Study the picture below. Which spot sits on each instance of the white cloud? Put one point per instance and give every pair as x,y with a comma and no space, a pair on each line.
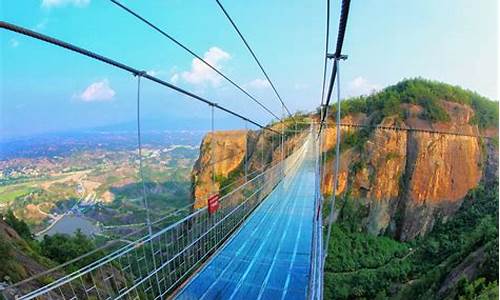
258,84
200,73
58,3
42,24
154,73
300,86
361,86
14,43
174,79
97,91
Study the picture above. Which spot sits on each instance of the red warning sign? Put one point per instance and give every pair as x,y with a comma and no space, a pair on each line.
213,203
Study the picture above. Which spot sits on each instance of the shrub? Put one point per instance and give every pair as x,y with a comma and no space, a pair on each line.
425,93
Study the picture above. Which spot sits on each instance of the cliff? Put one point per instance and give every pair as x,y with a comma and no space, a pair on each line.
220,154
404,181
221,163
409,156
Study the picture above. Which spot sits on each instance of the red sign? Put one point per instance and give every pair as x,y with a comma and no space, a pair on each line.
213,203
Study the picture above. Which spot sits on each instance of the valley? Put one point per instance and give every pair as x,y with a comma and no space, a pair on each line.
94,188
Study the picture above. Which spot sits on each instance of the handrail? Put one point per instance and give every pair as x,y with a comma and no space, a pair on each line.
142,241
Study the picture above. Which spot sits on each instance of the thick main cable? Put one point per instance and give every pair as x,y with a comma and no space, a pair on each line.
71,47
344,14
254,57
184,47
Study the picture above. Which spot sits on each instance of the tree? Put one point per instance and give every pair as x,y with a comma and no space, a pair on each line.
18,225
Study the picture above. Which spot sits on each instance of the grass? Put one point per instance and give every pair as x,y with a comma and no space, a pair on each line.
11,193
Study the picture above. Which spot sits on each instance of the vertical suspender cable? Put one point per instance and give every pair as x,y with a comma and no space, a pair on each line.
141,174
246,150
272,149
262,150
282,140
337,159
320,148
139,142
212,144
326,51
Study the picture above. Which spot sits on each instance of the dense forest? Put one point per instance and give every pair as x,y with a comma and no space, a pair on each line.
47,252
425,93
361,265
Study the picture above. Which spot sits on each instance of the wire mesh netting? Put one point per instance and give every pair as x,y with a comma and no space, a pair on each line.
154,265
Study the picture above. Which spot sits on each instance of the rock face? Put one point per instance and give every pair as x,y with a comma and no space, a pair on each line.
403,181
441,170
223,154
407,180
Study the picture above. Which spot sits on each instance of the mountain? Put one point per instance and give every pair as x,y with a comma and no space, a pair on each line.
221,162
405,180
417,206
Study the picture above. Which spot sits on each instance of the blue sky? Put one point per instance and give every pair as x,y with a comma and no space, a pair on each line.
48,89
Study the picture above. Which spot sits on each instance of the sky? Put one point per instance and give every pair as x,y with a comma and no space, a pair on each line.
46,89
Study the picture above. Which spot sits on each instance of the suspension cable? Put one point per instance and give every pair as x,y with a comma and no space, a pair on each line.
254,57
344,14
337,161
327,35
119,65
175,41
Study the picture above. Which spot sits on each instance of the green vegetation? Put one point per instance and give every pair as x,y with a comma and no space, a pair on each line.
232,177
13,267
355,139
478,289
18,225
425,93
58,248
362,266
299,122
13,192
11,270
392,155
63,248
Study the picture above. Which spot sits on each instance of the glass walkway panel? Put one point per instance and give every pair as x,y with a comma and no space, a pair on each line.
269,257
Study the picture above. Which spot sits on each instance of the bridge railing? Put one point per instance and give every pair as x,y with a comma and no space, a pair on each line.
315,285
152,267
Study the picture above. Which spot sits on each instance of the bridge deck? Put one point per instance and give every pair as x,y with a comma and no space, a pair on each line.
270,256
